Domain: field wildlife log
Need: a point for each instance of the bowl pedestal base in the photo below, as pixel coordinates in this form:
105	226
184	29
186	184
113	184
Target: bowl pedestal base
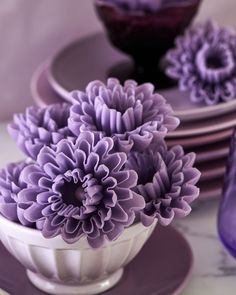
95	287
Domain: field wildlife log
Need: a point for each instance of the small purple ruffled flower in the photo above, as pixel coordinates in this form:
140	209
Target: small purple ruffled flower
133	116
10	186
81	189
204	62
39	127
166	180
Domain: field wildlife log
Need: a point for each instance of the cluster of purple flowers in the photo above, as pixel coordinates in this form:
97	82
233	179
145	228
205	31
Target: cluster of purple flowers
98	166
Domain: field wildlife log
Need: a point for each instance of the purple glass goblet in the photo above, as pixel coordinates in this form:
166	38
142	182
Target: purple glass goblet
144	34
227	211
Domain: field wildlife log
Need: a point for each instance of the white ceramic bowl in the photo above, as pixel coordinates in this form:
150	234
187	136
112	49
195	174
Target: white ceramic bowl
59	268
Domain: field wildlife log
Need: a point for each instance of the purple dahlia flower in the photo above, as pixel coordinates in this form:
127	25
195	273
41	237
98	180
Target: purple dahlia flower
38	127
81	189
133	116
166	180
204	62
10	186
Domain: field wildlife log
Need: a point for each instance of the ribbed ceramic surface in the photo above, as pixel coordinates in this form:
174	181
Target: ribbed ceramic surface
74	264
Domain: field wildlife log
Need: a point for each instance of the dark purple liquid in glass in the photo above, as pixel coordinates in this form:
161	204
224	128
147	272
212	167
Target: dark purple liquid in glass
227	211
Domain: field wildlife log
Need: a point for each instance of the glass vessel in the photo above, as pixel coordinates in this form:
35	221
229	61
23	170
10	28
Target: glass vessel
146	36
227	211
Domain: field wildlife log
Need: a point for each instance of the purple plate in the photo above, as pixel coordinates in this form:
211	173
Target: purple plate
211	189
157	270
199	141
205	127
41	90
212	169
43	94
93	58
211	152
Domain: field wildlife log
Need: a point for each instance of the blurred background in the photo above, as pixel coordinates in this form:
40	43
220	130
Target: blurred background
37	29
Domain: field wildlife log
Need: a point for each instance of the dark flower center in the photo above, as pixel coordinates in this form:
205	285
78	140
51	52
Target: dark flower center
56	118
73	194
119	101
117	112
145	165
148	175
215	63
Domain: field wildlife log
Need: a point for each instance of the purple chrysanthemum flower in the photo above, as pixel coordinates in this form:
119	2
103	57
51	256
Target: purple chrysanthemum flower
81	189
10	186
133	116
149	6
204	62
38	127
166	180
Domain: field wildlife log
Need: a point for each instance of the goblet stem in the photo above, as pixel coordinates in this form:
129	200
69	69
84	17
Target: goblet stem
149	70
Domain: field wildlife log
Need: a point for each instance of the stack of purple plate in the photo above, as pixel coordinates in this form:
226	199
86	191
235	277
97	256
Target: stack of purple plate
205	130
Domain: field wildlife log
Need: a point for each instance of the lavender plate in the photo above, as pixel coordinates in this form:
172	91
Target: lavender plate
210	125
156	270
41	90
199	141
71	68
43	94
212	169
212	155
188	111
208	152
211	189
212	152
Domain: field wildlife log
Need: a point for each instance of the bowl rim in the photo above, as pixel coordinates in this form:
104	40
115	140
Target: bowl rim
141	13
33	236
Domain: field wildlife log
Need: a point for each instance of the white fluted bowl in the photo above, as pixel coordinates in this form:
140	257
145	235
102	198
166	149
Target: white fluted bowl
59	268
